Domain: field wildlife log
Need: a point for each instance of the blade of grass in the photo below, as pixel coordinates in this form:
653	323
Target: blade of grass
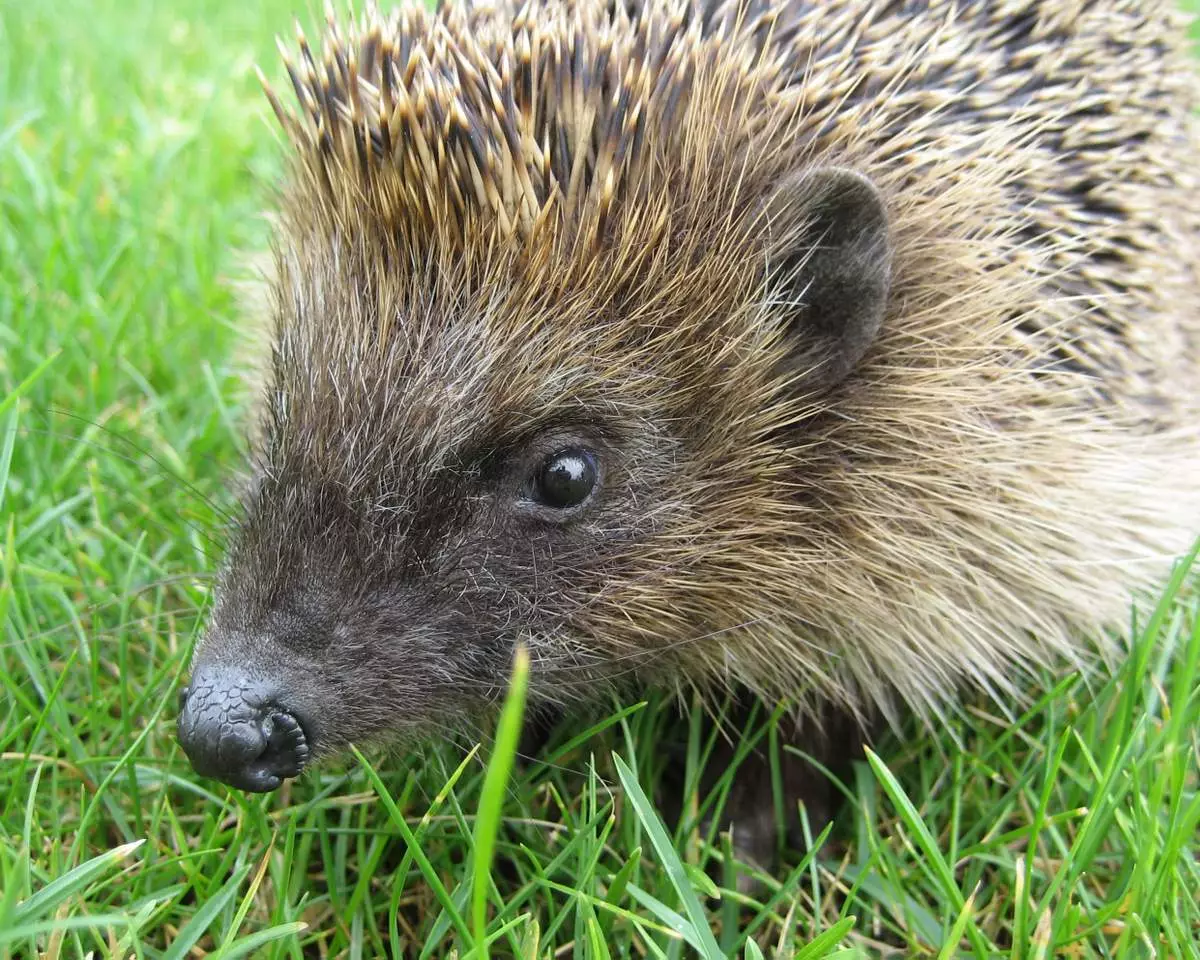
820	945
203	918
244	908
704	940
491	800
46	900
928	846
410	840
247	945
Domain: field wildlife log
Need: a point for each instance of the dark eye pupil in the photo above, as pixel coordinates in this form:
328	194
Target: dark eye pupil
566	479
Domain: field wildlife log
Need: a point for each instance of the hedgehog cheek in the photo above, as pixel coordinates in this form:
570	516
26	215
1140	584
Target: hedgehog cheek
830	264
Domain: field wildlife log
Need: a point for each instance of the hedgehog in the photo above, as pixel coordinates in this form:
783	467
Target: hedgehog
840	354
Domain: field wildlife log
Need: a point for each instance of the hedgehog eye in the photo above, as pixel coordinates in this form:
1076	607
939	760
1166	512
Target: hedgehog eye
565	479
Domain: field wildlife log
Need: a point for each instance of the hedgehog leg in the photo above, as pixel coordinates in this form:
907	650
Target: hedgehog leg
833	745
832	742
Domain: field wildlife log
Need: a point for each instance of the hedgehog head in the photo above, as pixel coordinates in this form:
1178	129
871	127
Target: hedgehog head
552	301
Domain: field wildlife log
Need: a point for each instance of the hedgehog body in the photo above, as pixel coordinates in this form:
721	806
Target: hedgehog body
869	330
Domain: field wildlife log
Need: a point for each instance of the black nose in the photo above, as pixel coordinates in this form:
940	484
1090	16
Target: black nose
232	728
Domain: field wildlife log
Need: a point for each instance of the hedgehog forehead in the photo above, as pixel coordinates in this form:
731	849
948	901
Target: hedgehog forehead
420	393
443	382
450	381
361	322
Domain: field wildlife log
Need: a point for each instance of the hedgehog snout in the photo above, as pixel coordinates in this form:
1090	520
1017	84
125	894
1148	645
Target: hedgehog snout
234	728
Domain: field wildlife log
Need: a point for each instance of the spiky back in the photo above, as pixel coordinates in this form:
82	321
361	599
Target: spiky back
582	176
480	121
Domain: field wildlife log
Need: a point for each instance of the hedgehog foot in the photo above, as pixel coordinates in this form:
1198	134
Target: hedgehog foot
749	813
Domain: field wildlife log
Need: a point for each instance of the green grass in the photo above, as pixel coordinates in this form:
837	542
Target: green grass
134	156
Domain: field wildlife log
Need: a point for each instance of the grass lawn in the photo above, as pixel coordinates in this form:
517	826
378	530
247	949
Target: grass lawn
135	154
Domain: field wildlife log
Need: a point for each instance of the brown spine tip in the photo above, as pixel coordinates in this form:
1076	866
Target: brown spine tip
285	120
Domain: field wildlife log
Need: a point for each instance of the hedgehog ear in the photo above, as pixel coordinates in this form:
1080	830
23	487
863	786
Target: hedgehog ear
831	261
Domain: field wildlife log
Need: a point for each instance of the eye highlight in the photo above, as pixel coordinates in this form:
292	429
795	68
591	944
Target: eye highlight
565	479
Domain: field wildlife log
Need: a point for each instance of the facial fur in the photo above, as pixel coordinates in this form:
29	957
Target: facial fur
862	420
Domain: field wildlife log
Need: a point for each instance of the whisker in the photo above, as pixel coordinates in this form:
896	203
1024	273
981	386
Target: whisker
187	484
134	592
196	527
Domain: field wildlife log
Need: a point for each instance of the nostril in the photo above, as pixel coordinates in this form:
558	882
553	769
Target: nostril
286	750
231	730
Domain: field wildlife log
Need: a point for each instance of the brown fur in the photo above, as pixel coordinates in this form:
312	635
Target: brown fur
502	226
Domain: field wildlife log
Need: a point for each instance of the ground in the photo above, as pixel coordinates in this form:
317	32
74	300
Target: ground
135	155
